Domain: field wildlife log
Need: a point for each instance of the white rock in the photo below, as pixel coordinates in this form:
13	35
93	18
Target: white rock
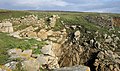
42	59
52	62
50	32
26	54
77	35
31	65
47	49
11	65
14	53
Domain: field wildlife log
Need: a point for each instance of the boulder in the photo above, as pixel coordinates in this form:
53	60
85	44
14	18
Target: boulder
42	59
47	49
48	61
31	65
50	32
14	53
26	54
42	34
56	49
31	34
16	35
30	28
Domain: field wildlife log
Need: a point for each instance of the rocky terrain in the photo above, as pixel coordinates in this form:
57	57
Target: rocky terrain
59	41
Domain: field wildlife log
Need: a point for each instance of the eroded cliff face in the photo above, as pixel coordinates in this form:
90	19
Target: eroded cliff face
95	51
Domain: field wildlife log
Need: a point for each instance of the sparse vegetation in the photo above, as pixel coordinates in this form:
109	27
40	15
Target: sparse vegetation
7	42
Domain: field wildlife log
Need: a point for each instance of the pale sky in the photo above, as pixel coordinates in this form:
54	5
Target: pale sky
109	6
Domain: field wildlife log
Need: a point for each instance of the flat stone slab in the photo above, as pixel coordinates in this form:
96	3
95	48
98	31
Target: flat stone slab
74	68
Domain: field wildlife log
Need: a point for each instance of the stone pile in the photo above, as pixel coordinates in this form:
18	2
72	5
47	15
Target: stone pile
107	61
53	20
32	62
6	27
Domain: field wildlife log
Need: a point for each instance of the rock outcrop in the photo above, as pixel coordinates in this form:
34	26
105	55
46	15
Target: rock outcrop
6	27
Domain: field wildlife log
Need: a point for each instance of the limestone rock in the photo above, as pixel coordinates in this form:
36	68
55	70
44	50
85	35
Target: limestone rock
16	35
42	34
47	49
53	20
42	59
31	65
74	68
50	61
11	65
14	53
30	28
26	54
31	34
56	49
50	32
77	35
6	27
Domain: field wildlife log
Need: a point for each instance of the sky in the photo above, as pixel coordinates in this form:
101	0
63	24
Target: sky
104	6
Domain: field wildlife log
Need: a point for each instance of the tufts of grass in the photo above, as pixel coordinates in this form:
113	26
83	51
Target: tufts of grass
8	42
